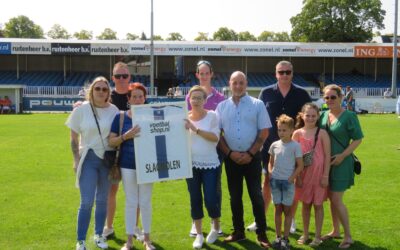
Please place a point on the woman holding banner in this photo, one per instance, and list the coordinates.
(135, 194)
(204, 132)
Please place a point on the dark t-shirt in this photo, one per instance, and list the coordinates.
(127, 153)
(120, 100)
(277, 105)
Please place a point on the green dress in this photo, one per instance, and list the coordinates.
(345, 128)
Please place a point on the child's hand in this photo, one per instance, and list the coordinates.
(324, 181)
(291, 179)
(299, 182)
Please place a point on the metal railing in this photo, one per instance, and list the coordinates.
(62, 91)
(68, 91)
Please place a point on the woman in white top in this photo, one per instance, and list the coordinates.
(88, 146)
(204, 132)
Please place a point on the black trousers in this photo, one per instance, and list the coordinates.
(252, 174)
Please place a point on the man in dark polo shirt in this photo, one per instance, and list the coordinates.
(284, 97)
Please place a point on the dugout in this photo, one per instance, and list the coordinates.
(14, 93)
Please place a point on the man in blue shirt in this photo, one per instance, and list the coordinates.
(245, 123)
(284, 97)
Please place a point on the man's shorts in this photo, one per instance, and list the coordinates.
(282, 191)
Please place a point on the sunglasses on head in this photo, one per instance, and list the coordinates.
(332, 97)
(118, 76)
(104, 89)
(286, 72)
(204, 62)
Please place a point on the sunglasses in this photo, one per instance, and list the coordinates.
(332, 97)
(196, 98)
(286, 72)
(118, 76)
(105, 89)
(204, 62)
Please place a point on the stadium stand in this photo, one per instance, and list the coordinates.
(74, 79)
(361, 81)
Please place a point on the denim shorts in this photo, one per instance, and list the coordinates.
(282, 192)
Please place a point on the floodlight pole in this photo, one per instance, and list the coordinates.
(151, 52)
(394, 65)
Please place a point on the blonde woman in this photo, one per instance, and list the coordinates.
(204, 130)
(88, 145)
(346, 135)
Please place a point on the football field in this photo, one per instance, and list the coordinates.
(39, 202)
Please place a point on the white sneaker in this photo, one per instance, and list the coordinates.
(138, 233)
(212, 236)
(193, 231)
(100, 241)
(220, 233)
(198, 242)
(252, 227)
(293, 227)
(107, 232)
(81, 245)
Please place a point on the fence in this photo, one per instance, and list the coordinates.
(61, 91)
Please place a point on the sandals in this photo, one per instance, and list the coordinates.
(148, 246)
(127, 247)
(345, 244)
(303, 240)
(316, 242)
(330, 237)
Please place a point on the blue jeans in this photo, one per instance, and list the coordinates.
(282, 191)
(208, 178)
(93, 183)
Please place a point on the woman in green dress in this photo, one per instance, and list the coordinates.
(345, 133)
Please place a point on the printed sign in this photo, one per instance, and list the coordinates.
(375, 51)
(48, 104)
(163, 148)
(70, 49)
(5, 48)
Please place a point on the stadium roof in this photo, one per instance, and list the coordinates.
(192, 48)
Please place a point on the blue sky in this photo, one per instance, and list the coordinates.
(187, 17)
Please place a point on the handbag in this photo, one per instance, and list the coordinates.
(109, 156)
(114, 176)
(308, 156)
(357, 163)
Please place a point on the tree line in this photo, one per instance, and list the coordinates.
(318, 21)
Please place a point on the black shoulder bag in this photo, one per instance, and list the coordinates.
(109, 155)
(357, 163)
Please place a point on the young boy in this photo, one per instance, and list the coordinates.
(285, 163)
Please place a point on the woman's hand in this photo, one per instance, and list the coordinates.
(131, 133)
(337, 159)
(75, 166)
(189, 125)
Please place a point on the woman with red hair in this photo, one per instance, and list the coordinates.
(136, 195)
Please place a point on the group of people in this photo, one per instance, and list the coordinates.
(172, 94)
(270, 135)
(5, 105)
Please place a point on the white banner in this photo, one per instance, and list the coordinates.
(163, 148)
